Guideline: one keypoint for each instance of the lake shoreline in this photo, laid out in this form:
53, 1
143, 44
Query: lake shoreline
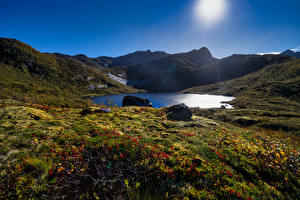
168, 99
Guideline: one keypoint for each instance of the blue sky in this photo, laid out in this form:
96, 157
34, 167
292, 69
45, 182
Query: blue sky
117, 27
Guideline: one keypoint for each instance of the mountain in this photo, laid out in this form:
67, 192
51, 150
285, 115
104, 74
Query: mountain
146, 70
137, 57
179, 71
291, 53
99, 64
282, 79
155, 68
195, 57
234, 66
171, 73
268, 98
28, 75
162, 72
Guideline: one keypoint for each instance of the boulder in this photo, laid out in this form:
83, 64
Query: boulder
135, 101
92, 110
179, 112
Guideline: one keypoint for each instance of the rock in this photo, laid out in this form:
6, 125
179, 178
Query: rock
179, 112
92, 110
92, 86
135, 101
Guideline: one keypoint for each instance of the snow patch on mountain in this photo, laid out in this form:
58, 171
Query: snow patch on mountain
118, 79
297, 49
269, 53
99, 86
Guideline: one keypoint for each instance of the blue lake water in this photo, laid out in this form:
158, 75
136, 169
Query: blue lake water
168, 99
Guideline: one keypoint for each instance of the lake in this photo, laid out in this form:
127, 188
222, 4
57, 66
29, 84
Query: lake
168, 99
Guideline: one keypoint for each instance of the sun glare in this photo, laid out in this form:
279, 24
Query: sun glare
209, 12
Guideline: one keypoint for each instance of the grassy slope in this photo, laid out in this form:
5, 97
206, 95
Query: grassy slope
48, 152
268, 98
31, 76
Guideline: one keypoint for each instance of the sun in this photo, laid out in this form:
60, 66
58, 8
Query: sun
209, 12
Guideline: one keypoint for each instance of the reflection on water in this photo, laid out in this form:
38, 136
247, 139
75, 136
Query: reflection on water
168, 99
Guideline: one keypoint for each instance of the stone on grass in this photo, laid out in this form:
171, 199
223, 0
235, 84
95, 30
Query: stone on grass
135, 101
92, 110
179, 112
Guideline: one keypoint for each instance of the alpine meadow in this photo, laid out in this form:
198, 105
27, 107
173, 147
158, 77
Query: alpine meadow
142, 100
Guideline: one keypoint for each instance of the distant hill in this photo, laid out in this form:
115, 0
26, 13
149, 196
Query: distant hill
235, 66
137, 57
195, 57
195, 68
28, 75
171, 73
291, 53
268, 98
276, 80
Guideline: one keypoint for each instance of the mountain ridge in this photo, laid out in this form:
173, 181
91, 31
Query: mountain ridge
160, 72
291, 53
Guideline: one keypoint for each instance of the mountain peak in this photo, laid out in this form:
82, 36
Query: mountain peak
288, 51
203, 51
138, 57
291, 53
81, 55
198, 57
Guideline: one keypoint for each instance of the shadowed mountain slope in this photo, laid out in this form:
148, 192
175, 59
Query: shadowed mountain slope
291, 53
274, 80
268, 98
181, 71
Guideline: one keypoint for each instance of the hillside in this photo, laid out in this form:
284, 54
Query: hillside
235, 66
180, 71
31, 76
268, 98
138, 153
274, 80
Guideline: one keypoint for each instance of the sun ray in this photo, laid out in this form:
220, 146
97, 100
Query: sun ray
209, 12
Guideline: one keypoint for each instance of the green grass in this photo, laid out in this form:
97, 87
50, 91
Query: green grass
48, 152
